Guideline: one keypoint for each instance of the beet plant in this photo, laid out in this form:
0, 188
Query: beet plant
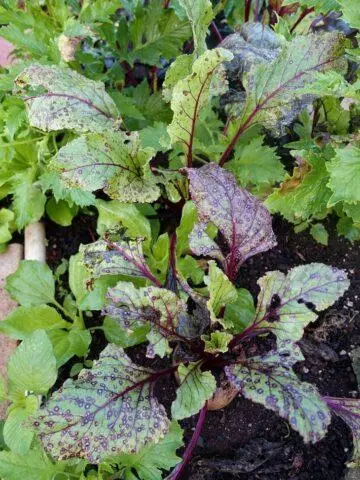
175, 226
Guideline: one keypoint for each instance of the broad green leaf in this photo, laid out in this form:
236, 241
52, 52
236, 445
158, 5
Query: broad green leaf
191, 94
61, 212
120, 415
6, 224
321, 6
114, 214
319, 233
200, 15
187, 223
114, 333
32, 367
28, 199
222, 292
196, 387
35, 465
243, 221
115, 162
154, 458
349, 410
346, 228
67, 344
256, 164
31, 284
18, 437
283, 298
23, 321
73, 196
156, 137
273, 97
305, 194
241, 312
157, 307
217, 342
179, 69
270, 380
70, 101
344, 170
350, 12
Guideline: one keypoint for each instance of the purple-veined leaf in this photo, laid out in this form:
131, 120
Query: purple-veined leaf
70, 101
349, 410
157, 307
269, 379
242, 219
282, 299
117, 258
108, 410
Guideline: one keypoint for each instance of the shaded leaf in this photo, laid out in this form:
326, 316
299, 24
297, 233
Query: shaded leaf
115, 162
108, 410
240, 312
270, 380
200, 15
70, 101
196, 387
242, 220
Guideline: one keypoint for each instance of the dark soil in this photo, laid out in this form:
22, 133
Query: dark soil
245, 441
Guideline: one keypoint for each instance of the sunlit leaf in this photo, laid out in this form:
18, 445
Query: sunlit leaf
200, 15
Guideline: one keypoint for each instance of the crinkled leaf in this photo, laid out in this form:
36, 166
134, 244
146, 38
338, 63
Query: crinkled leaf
196, 387
108, 410
156, 137
282, 302
222, 292
115, 162
344, 171
273, 97
32, 367
270, 380
349, 410
69, 101
194, 92
157, 307
217, 342
73, 196
31, 284
200, 15
243, 221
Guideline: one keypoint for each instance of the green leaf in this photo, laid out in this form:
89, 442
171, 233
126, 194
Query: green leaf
114, 333
217, 342
191, 94
28, 199
32, 367
61, 212
71, 101
67, 344
17, 436
319, 233
241, 312
256, 164
102, 421
273, 90
222, 292
35, 465
344, 170
350, 12
282, 300
6, 224
114, 213
23, 321
73, 196
270, 380
156, 137
154, 458
346, 228
115, 162
200, 15
196, 387
157, 307
31, 284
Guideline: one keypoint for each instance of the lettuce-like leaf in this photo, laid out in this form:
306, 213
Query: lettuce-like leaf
270, 380
344, 171
282, 302
242, 220
196, 387
115, 162
70, 101
157, 307
108, 410
217, 342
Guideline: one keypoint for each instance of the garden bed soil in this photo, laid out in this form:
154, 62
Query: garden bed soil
245, 441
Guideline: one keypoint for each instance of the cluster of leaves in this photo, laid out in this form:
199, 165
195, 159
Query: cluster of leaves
175, 221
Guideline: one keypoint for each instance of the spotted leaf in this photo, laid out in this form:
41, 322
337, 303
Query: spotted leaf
158, 308
108, 410
242, 220
282, 302
196, 387
70, 101
115, 162
270, 380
